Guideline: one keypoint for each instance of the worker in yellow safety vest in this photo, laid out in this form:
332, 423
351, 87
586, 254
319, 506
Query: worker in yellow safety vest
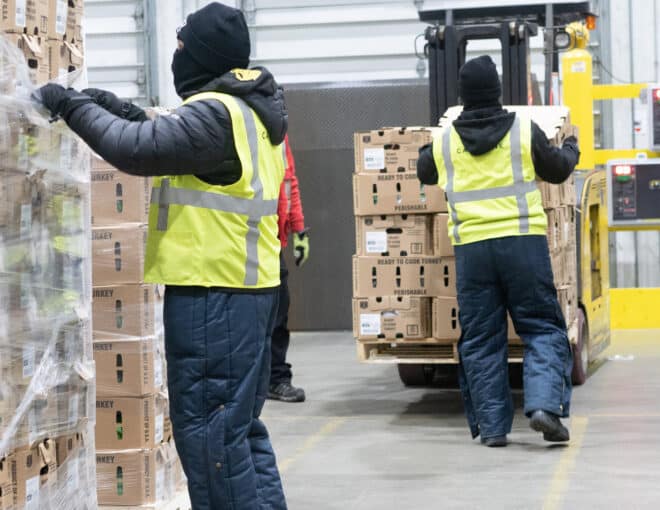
487, 162
218, 165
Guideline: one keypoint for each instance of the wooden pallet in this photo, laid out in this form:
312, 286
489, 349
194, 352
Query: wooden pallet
431, 351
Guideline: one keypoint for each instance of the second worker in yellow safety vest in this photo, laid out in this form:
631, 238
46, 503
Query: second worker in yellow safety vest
218, 165
487, 162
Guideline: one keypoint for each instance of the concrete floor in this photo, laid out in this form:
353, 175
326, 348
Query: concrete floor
363, 441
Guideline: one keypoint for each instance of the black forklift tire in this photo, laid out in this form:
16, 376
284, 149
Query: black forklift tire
416, 375
581, 351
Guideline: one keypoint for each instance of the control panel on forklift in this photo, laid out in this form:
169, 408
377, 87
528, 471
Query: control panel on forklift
634, 192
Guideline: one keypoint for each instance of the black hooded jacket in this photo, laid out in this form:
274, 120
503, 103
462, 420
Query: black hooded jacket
481, 129
196, 138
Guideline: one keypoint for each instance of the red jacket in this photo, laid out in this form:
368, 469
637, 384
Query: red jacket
289, 208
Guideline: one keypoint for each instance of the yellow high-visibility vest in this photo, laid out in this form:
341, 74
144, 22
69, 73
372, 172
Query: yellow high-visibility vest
491, 195
209, 235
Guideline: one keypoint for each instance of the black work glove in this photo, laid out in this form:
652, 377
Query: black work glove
60, 101
110, 102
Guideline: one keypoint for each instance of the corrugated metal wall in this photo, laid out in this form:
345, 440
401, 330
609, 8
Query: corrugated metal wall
117, 48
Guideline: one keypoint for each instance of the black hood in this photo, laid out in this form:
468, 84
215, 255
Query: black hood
258, 88
481, 129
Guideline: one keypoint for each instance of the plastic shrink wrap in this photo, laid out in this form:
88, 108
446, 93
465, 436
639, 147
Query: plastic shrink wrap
47, 383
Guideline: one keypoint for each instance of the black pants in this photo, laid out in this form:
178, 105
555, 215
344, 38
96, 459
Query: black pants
280, 370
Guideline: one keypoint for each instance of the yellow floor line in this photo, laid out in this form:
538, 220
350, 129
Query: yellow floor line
562, 476
325, 431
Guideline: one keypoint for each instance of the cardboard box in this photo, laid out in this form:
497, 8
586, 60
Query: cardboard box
74, 19
6, 484
569, 227
392, 318
557, 260
403, 276
394, 235
555, 229
378, 194
567, 295
446, 323
550, 194
35, 50
128, 368
568, 192
64, 58
124, 422
442, 246
390, 150
126, 311
138, 477
57, 18
118, 197
118, 254
25, 16
445, 319
35, 475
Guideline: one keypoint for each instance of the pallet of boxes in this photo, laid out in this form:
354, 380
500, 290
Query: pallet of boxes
136, 461
405, 308
47, 375
397, 270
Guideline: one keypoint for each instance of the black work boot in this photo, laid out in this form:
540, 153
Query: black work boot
550, 425
286, 392
494, 442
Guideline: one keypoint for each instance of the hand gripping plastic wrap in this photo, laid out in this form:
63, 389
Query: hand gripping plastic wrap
47, 380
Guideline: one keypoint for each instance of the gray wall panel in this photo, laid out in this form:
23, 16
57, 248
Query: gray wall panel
322, 122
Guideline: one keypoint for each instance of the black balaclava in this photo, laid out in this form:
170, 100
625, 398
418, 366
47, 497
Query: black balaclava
215, 41
479, 84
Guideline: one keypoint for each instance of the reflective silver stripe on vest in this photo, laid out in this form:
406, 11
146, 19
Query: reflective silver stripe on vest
519, 189
449, 165
253, 234
519, 176
255, 209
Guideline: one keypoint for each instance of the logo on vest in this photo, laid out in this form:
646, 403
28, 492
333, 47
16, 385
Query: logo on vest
246, 74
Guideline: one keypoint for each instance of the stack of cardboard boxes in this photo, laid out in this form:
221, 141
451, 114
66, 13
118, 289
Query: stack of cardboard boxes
48, 32
397, 270
136, 461
405, 307
46, 365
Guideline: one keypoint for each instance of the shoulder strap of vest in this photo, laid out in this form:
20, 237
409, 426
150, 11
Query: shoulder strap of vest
218, 96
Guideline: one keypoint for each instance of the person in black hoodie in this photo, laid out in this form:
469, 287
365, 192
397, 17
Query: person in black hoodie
218, 164
487, 162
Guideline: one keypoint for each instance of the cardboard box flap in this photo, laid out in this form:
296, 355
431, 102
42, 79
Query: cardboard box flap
33, 45
76, 53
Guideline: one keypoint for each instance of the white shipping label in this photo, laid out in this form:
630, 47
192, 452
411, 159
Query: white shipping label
158, 434
370, 324
20, 12
60, 16
32, 493
29, 355
374, 159
376, 242
160, 484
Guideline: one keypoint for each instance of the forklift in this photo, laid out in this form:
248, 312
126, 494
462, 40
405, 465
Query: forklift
567, 26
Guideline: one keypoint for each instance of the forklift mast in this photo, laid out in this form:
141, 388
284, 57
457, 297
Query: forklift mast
446, 50
512, 26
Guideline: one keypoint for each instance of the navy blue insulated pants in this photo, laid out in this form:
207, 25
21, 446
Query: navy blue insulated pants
218, 367
514, 274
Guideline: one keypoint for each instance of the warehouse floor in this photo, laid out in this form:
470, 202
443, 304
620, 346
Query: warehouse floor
363, 441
